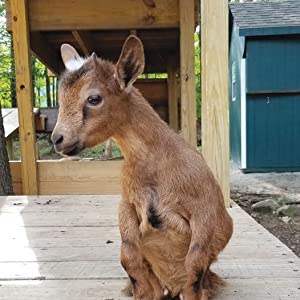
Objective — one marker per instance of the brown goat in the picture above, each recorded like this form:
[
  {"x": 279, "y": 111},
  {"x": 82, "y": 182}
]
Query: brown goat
[{"x": 172, "y": 217}]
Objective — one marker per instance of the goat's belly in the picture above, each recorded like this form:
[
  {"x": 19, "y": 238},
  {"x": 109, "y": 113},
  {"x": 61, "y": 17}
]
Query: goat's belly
[{"x": 165, "y": 250}]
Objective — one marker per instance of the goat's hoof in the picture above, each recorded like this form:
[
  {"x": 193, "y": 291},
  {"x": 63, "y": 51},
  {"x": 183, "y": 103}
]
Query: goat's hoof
[{"x": 128, "y": 289}]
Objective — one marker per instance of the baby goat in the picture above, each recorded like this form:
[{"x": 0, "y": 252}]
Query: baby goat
[{"x": 172, "y": 217}]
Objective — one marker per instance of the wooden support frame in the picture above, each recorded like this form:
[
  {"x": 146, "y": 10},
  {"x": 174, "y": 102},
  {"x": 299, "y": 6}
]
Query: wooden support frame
[
  {"x": 94, "y": 14},
  {"x": 165, "y": 14},
  {"x": 187, "y": 72},
  {"x": 42, "y": 50},
  {"x": 24, "y": 95},
  {"x": 172, "y": 96},
  {"x": 58, "y": 177},
  {"x": 85, "y": 41},
  {"x": 215, "y": 102}
]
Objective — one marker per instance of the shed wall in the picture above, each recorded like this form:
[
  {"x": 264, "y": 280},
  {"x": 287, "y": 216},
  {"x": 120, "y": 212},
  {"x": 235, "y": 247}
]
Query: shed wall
[
  {"x": 273, "y": 64},
  {"x": 273, "y": 131}
]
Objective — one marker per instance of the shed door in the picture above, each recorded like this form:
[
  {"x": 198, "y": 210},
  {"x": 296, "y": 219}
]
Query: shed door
[{"x": 273, "y": 131}]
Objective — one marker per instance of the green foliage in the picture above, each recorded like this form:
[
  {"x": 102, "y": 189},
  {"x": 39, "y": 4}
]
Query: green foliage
[
  {"x": 153, "y": 76},
  {"x": 98, "y": 152},
  {"x": 7, "y": 72}
]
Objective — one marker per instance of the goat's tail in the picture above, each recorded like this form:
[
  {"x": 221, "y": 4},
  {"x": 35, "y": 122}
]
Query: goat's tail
[{"x": 212, "y": 283}]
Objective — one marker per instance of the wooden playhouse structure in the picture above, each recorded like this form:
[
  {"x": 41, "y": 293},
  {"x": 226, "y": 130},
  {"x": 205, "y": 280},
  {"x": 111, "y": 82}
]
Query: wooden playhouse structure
[
  {"x": 67, "y": 247},
  {"x": 166, "y": 28}
]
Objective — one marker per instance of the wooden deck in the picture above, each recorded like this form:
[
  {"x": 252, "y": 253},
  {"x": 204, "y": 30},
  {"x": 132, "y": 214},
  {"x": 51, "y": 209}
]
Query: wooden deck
[{"x": 67, "y": 247}]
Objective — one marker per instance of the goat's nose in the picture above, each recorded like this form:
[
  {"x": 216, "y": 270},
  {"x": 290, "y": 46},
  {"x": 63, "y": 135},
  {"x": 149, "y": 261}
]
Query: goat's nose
[{"x": 57, "y": 139}]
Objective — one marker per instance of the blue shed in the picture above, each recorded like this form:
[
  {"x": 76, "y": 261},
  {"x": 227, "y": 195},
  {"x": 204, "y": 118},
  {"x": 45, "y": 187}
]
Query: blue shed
[{"x": 265, "y": 85}]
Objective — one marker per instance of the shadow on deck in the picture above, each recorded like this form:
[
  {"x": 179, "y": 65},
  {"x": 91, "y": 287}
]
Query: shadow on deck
[{"x": 67, "y": 248}]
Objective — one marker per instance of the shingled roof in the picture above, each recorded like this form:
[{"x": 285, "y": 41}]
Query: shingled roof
[{"x": 267, "y": 18}]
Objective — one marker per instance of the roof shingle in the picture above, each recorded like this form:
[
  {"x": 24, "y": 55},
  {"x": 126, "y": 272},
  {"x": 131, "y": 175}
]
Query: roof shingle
[{"x": 266, "y": 14}]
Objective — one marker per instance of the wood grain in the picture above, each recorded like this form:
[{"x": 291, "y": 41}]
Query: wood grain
[
  {"x": 214, "y": 99},
  {"x": 172, "y": 96},
  {"x": 85, "y": 41},
  {"x": 73, "y": 177},
  {"x": 95, "y": 14},
  {"x": 187, "y": 72},
  {"x": 20, "y": 28},
  {"x": 39, "y": 259}
]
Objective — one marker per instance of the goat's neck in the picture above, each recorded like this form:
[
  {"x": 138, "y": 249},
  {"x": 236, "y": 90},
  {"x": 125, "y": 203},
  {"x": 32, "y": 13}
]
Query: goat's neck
[{"x": 144, "y": 134}]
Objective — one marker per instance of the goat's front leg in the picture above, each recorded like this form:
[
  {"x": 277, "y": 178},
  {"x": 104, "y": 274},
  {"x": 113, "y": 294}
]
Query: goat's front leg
[
  {"x": 145, "y": 284},
  {"x": 198, "y": 258}
]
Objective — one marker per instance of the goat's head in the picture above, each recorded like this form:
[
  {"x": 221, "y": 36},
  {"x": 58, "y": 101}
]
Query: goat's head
[{"x": 93, "y": 96}]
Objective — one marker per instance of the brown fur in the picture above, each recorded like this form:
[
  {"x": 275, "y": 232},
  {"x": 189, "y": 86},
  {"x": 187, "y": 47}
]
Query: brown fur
[{"x": 172, "y": 217}]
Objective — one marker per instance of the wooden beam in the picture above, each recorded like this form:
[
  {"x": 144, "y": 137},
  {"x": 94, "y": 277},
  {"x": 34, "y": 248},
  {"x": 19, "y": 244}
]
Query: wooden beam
[
  {"x": 187, "y": 72},
  {"x": 155, "y": 91},
  {"x": 73, "y": 177},
  {"x": 24, "y": 95},
  {"x": 172, "y": 96},
  {"x": 43, "y": 51},
  {"x": 85, "y": 41},
  {"x": 215, "y": 110},
  {"x": 95, "y": 14}
]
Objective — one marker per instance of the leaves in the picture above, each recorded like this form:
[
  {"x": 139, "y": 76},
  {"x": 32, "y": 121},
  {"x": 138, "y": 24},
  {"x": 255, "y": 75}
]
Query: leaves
[{"x": 7, "y": 71}]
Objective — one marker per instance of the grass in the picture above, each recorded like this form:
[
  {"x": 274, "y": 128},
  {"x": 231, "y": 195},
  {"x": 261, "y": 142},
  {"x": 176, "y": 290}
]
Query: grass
[
  {"x": 98, "y": 152},
  {"x": 46, "y": 150}
]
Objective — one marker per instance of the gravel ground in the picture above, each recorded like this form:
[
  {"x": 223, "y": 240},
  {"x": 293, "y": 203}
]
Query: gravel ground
[{"x": 265, "y": 183}]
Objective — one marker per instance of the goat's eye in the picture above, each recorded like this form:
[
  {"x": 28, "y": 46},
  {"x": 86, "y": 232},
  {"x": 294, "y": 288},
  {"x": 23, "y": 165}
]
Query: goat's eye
[{"x": 94, "y": 100}]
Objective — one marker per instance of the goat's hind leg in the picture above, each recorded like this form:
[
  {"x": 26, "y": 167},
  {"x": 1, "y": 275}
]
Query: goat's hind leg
[
  {"x": 198, "y": 259},
  {"x": 145, "y": 284}
]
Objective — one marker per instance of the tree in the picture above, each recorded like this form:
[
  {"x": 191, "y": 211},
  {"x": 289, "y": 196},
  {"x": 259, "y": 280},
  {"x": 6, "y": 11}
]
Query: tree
[
  {"x": 6, "y": 68},
  {"x": 40, "y": 79},
  {"x": 6, "y": 187}
]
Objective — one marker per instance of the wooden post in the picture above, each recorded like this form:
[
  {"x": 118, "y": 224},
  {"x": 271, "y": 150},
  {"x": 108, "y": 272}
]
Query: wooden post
[
  {"x": 9, "y": 147},
  {"x": 214, "y": 76},
  {"x": 187, "y": 71},
  {"x": 172, "y": 96},
  {"x": 20, "y": 30}
]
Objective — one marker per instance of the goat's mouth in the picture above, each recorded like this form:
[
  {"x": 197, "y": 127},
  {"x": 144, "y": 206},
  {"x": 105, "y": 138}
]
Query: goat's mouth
[{"x": 71, "y": 150}]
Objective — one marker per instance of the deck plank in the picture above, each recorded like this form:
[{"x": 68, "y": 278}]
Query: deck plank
[{"x": 68, "y": 248}]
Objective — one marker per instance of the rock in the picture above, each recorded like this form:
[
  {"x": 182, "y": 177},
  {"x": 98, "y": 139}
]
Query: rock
[
  {"x": 289, "y": 210},
  {"x": 265, "y": 206},
  {"x": 286, "y": 219}
]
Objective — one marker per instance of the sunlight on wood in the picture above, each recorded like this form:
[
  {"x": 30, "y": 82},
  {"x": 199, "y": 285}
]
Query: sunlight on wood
[
  {"x": 67, "y": 247},
  {"x": 16, "y": 245}
]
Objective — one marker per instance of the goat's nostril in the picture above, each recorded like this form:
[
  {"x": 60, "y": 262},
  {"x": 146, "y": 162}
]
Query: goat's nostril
[{"x": 57, "y": 139}]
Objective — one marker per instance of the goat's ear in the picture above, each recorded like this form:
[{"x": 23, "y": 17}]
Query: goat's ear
[
  {"x": 131, "y": 62},
  {"x": 70, "y": 57}
]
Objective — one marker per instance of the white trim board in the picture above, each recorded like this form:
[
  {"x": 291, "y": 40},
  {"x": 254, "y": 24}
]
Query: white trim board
[{"x": 243, "y": 116}]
